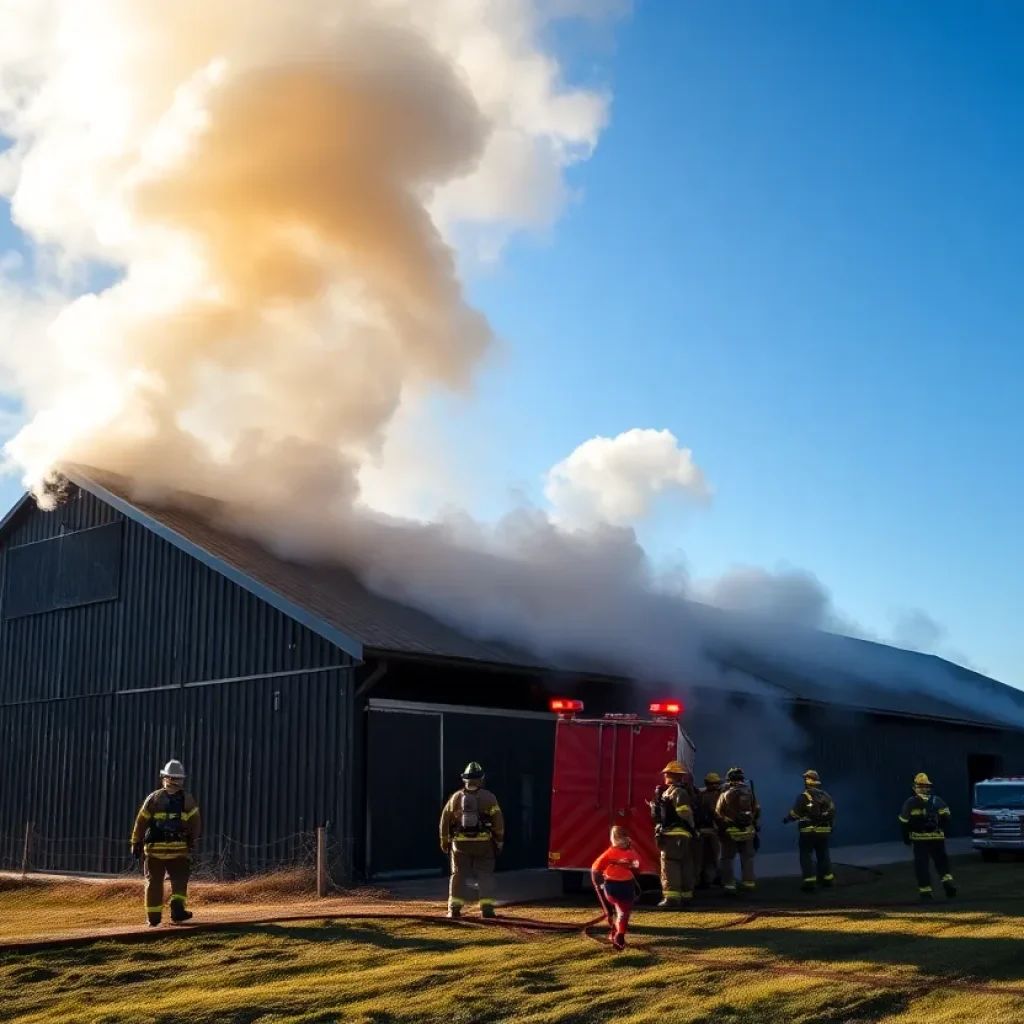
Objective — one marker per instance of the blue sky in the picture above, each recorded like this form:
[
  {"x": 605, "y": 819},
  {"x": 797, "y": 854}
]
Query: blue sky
[{"x": 798, "y": 247}]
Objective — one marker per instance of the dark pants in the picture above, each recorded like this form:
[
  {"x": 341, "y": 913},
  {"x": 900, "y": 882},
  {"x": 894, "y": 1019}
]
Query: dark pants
[
  {"x": 156, "y": 870},
  {"x": 814, "y": 846},
  {"x": 620, "y": 897},
  {"x": 933, "y": 850}
]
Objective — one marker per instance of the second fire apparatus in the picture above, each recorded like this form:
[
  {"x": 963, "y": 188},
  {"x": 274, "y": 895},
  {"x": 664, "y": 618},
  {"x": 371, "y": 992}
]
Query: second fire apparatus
[{"x": 997, "y": 816}]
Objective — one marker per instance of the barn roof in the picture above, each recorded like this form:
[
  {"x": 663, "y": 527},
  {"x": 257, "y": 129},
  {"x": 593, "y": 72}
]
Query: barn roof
[{"x": 332, "y": 601}]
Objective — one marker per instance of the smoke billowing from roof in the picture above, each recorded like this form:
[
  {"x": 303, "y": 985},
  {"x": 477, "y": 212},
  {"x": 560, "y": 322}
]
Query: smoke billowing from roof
[{"x": 279, "y": 187}]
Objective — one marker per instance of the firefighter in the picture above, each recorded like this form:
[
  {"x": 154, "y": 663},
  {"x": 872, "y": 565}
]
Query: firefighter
[
  {"x": 472, "y": 834},
  {"x": 708, "y": 847},
  {"x": 924, "y": 819},
  {"x": 815, "y": 811},
  {"x": 738, "y": 815},
  {"x": 164, "y": 839},
  {"x": 672, "y": 810}
]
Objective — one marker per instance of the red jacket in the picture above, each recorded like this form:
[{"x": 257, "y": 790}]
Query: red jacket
[{"x": 616, "y": 864}]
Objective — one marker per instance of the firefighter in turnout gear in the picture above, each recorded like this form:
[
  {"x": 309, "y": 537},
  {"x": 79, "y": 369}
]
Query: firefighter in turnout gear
[
  {"x": 164, "y": 838},
  {"x": 738, "y": 816},
  {"x": 472, "y": 834},
  {"x": 815, "y": 811},
  {"x": 675, "y": 831},
  {"x": 708, "y": 846},
  {"x": 924, "y": 819}
]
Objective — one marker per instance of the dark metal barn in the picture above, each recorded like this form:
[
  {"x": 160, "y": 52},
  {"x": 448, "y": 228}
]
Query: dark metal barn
[{"x": 130, "y": 634}]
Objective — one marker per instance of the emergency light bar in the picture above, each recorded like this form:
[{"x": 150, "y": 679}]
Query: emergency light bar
[
  {"x": 562, "y": 705},
  {"x": 670, "y": 708}
]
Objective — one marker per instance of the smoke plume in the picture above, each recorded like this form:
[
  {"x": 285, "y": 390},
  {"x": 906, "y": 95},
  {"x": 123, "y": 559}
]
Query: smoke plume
[
  {"x": 274, "y": 182},
  {"x": 616, "y": 480}
]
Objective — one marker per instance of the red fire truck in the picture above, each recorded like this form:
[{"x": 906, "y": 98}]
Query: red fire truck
[{"x": 605, "y": 772}]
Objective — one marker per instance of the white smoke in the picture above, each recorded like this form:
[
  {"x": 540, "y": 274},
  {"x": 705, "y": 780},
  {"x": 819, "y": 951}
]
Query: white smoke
[
  {"x": 275, "y": 183},
  {"x": 787, "y": 595},
  {"x": 616, "y": 480}
]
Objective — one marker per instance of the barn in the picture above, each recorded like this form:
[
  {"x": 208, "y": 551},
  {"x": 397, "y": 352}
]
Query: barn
[{"x": 298, "y": 699}]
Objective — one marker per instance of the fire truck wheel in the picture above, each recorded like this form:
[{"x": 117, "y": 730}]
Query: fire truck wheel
[{"x": 572, "y": 882}]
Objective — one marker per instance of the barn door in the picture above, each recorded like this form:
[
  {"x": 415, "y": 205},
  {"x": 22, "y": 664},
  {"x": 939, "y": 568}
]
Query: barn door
[{"x": 404, "y": 793}]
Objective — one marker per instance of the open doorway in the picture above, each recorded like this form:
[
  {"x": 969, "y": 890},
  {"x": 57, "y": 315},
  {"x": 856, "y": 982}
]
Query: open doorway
[{"x": 979, "y": 768}]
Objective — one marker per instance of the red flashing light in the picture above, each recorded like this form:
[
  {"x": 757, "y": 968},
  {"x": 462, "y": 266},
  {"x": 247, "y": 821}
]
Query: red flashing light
[
  {"x": 562, "y": 705},
  {"x": 671, "y": 708}
]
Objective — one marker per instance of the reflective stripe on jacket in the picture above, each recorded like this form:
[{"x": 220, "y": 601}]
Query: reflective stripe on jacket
[
  {"x": 804, "y": 812},
  {"x": 156, "y": 811},
  {"x": 492, "y": 822},
  {"x": 727, "y": 812},
  {"x": 924, "y": 819}
]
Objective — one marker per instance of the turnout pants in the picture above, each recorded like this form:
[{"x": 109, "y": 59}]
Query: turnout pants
[
  {"x": 156, "y": 870},
  {"x": 745, "y": 849},
  {"x": 707, "y": 852},
  {"x": 472, "y": 860},
  {"x": 676, "y": 866},
  {"x": 934, "y": 851},
  {"x": 814, "y": 846}
]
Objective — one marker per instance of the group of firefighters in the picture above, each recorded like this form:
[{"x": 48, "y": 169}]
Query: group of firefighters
[
  {"x": 699, "y": 834},
  {"x": 699, "y": 831}
]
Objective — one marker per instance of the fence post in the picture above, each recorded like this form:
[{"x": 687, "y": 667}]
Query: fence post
[
  {"x": 24, "y": 852},
  {"x": 321, "y": 862}
]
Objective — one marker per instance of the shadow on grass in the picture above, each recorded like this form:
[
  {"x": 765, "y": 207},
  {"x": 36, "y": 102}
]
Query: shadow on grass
[
  {"x": 981, "y": 959},
  {"x": 366, "y": 935}
]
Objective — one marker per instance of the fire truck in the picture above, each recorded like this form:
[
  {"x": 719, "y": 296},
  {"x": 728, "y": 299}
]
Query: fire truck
[
  {"x": 605, "y": 771},
  {"x": 997, "y": 816}
]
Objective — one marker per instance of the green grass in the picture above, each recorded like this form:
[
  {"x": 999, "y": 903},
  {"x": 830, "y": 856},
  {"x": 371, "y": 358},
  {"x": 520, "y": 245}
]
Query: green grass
[{"x": 827, "y": 958}]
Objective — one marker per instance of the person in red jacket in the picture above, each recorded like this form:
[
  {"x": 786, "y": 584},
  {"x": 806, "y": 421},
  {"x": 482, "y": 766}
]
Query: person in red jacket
[{"x": 614, "y": 882}]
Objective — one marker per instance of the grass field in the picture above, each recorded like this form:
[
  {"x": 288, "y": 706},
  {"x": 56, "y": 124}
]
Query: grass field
[{"x": 823, "y": 958}]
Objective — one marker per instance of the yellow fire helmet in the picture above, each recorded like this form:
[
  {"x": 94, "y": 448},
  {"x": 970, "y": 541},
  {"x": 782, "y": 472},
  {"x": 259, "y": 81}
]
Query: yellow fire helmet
[
  {"x": 673, "y": 768},
  {"x": 920, "y": 779},
  {"x": 812, "y": 778},
  {"x": 712, "y": 779}
]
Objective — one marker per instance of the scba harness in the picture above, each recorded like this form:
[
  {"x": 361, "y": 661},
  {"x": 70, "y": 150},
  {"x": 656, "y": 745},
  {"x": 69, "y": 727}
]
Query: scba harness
[
  {"x": 818, "y": 815},
  {"x": 166, "y": 834},
  {"x": 668, "y": 820},
  {"x": 473, "y": 821}
]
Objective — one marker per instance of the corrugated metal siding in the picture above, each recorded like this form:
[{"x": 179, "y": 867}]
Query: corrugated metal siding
[
  {"x": 267, "y": 756},
  {"x": 52, "y": 757},
  {"x": 176, "y": 621},
  {"x": 871, "y": 761},
  {"x": 66, "y": 653},
  {"x": 263, "y": 770},
  {"x": 185, "y": 623},
  {"x": 80, "y": 512}
]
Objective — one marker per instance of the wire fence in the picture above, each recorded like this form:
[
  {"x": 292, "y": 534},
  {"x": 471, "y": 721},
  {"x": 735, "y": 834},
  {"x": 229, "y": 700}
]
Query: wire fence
[{"x": 216, "y": 858}]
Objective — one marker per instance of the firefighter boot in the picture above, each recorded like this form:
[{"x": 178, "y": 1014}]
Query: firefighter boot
[
  {"x": 487, "y": 910},
  {"x": 455, "y": 910},
  {"x": 671, "y": 903},
  {"x": 927, "y": 896},
  {"x": 808, "y": 886},
  {"x": 949, "y": 885},
  {"x": 179, "y": 915},
  {"x": 153, "y": 919}
]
